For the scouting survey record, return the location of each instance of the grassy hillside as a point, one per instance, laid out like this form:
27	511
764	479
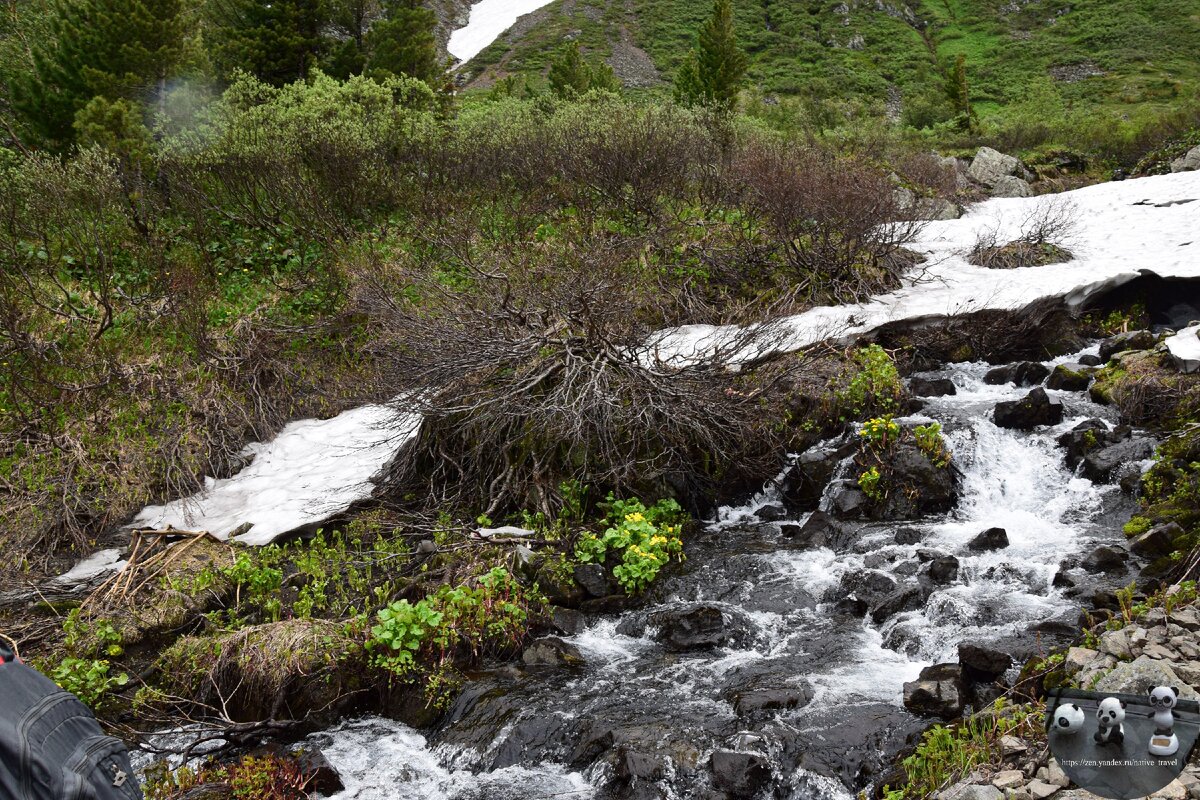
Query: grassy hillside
1028	63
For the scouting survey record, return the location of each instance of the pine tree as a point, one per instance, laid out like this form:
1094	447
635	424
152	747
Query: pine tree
571	76
117	49
716	67
276	40
402	42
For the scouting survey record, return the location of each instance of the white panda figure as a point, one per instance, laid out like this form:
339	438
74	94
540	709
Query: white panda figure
1163	699
1068	719
1110	715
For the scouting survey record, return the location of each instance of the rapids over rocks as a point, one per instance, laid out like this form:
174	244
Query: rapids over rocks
741	672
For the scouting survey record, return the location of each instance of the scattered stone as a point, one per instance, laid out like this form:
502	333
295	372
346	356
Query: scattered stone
869	585
941	571
1101	465
751	702
907	598
1040	790
938	692
1106	558
551	651
1134	676
982	664
1188	162
692	627
937	209
1089	360
991	539
1036	408
1056	775
1156	542
740	774
594	579
1011	186
1129	340
567	621
805	480
990	165
1012	746
1022	373
1086	437
1008	779
819	530
931	387
908	536
1077	658
1069	378
770	512
973	792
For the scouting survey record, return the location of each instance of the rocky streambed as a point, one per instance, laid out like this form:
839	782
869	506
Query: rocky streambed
779	660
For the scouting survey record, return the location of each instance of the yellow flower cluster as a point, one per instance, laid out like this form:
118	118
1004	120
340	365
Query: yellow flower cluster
637	516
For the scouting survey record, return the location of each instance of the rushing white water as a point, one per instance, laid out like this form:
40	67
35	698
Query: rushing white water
854	670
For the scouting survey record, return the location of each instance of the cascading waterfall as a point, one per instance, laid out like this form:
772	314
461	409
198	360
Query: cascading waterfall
526	734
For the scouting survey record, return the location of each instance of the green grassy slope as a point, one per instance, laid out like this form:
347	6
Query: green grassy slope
1127	57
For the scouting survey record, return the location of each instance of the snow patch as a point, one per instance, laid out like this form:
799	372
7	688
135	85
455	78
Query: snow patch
488	19
1184	348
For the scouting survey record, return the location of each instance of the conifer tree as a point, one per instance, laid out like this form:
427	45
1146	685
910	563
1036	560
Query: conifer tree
278	41
402	42
117	49
716	67
571	76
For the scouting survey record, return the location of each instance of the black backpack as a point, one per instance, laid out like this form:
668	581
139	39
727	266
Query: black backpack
52	748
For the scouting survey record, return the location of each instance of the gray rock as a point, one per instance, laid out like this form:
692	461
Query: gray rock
870	585
1156	542
1077	658
937	693
594	579
991	539
1069	378
1187	162
1105	558
937	208
990	165
1101	464
931	387
976	791
740	774
1134	677
982	663
1036	408
1129	340
941	571
1022	373
551	651
1010	186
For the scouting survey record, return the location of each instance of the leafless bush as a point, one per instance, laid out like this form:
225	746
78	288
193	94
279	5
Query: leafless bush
1046	233
532	374
837	223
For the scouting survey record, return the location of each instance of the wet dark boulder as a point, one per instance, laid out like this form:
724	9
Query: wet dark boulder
567	621
931	387
847	500
941	571
851	607
551	651
1069	378
991	539
909	535
939	691
1103	465
756	702
869	585
1157	542
1087	436
982	664
696	626
1034	409
595	580
742	775
911	486
1106	558
770	512
633	765
1023	373
804	481
1129	340
908	597
1089	360
819	530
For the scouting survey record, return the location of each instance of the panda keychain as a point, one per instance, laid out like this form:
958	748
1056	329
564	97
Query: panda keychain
1109	717
1163	741
1068	719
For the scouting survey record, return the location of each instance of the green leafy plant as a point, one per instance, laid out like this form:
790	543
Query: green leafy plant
402	629
880	431
929	440
645	538
870	482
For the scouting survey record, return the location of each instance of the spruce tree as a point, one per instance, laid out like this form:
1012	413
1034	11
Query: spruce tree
276	40
402	42
716	67
116	49
571	76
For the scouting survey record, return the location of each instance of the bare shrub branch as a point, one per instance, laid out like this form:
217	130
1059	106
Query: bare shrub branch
1046	234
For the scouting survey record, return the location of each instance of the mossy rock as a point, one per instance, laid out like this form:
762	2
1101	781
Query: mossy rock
191	584
295	669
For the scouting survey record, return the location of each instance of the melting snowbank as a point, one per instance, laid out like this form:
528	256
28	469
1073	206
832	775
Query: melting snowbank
311	470
1123	229
316	468
489	19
